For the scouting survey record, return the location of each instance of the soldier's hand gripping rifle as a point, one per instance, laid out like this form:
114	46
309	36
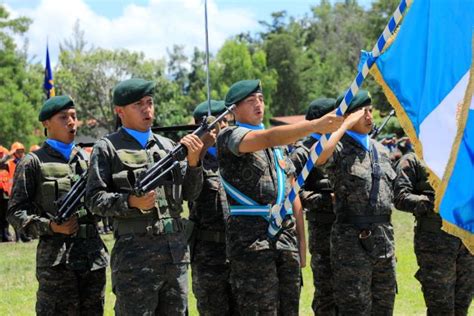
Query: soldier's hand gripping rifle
154	176
69	203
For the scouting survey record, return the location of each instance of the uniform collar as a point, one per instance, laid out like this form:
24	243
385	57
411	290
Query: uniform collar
64	149
141	137
362	139
252	127
129	138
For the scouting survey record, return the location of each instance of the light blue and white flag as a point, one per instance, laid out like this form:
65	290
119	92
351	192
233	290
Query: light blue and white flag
425	74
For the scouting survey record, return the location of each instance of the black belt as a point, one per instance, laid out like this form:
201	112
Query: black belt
211	235
323	218
85	231
361	220
148	227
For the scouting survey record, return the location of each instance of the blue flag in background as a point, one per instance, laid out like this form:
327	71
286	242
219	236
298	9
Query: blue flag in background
425	74
48	83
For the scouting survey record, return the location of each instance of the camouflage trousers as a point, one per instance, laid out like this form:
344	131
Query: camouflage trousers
446	273
319	248
363	284
145	281
211	287
266	282
63	291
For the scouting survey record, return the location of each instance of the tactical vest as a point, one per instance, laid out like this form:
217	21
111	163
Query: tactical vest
133	163
56	178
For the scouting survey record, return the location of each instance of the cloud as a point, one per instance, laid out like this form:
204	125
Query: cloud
151	28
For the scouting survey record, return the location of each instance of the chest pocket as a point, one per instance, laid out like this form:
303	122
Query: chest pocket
359	172
55	183
134	163
253	169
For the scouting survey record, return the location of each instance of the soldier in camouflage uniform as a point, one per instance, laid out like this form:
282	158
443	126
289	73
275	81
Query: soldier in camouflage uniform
316	197
210	269
71	258
362	243
265	273
150	255
446	268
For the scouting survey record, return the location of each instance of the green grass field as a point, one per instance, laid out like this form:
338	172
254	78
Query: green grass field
18	283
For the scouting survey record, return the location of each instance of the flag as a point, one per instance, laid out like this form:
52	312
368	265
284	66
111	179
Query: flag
425	74
48	83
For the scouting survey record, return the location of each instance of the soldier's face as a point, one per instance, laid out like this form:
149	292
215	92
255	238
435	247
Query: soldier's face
251	109
365	123
138	115
20	153
62	126
225	121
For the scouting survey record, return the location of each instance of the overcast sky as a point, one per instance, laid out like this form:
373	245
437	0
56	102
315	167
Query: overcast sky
150	26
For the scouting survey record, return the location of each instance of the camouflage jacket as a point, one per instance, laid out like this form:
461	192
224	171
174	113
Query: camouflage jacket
208	212
350	169
32	203
254	175
117	158
413	192
316	192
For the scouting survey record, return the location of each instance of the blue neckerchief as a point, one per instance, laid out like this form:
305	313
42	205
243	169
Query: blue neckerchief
252	127
212	151
362	139
63	148
316	136
141	137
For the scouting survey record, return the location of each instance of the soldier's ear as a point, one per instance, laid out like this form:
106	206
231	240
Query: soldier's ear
119	111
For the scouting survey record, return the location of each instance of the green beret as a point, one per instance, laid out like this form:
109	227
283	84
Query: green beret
242	89
54	105
320	107
132	90
361	99
217	108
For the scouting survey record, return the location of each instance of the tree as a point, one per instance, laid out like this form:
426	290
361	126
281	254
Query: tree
332	39
282	55
235	62
88	75
20	86
178	67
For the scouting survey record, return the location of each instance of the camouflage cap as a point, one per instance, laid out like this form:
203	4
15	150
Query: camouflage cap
54	105
361	99
242	89
217	107
320	107
132	90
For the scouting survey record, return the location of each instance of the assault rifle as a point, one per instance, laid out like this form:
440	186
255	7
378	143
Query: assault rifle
376	131
69	203
154	176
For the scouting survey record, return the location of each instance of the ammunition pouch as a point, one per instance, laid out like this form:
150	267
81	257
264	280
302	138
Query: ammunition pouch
87	231
211	235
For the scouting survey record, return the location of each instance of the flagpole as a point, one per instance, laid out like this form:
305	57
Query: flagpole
277	216
207	62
